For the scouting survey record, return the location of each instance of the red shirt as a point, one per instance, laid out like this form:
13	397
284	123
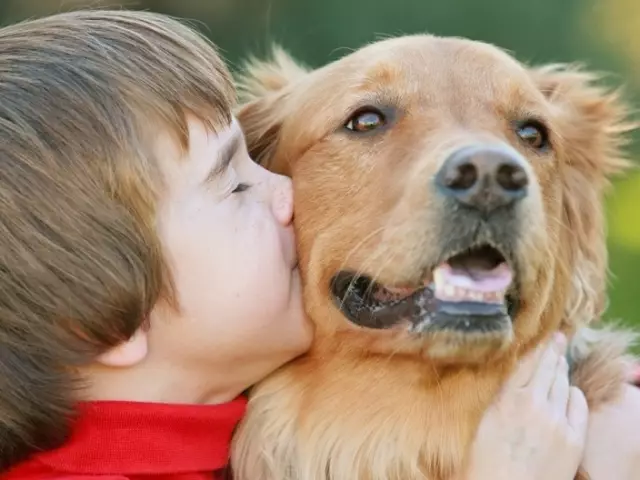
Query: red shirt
140	441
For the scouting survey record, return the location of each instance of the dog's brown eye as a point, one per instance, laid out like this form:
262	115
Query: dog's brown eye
534	134
365	120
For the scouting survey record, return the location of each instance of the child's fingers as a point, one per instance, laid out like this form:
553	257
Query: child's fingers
545	374
578	414
525	369
559	393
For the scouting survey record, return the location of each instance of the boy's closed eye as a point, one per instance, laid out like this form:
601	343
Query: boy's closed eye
241	187
225	156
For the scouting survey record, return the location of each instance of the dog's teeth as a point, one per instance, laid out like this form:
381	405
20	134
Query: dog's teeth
447	287
452	293
438	276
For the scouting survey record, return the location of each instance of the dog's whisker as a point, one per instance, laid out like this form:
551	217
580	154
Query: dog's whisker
360	270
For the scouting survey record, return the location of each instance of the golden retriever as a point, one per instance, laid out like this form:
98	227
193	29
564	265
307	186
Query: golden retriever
448	209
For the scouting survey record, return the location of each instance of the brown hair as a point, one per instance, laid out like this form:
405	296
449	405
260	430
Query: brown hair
81	97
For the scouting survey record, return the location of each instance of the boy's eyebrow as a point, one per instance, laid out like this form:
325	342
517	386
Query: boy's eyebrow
225	156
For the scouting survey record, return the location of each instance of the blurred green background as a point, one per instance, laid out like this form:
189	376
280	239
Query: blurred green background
604	34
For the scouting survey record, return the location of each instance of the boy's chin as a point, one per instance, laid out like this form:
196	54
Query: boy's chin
298	338
287	335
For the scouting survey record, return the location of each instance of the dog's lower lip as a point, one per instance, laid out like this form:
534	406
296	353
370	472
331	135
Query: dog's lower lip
354	296
450	302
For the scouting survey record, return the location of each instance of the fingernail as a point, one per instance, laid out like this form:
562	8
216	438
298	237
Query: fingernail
560	339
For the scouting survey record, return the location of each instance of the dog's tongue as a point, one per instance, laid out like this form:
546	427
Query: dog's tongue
472	284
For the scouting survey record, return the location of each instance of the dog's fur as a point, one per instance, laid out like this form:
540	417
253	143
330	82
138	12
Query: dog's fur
378	404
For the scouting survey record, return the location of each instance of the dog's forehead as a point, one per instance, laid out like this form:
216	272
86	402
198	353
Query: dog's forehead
424	63
437	54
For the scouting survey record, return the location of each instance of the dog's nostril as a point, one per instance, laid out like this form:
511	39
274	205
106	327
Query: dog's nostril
511	177
461	178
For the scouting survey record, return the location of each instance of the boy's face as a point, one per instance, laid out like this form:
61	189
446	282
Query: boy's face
225	225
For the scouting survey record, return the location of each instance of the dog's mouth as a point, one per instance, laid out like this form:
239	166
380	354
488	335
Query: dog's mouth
470	291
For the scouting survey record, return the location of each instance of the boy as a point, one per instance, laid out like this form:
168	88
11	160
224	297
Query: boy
144	256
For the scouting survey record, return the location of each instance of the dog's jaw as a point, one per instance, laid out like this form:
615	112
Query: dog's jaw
412	420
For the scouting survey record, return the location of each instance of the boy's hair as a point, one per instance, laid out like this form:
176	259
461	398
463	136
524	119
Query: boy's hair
83	96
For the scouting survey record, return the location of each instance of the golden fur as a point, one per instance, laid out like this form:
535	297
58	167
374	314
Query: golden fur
383	404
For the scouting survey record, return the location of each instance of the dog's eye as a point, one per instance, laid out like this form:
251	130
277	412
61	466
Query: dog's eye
534	134
365	120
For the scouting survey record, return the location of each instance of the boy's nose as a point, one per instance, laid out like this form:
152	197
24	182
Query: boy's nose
282	201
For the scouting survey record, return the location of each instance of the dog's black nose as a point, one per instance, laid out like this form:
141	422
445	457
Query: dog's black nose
484	178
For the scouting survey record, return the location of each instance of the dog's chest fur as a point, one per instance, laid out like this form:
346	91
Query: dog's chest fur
378	420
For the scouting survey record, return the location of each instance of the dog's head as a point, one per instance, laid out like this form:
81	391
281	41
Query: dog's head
448	199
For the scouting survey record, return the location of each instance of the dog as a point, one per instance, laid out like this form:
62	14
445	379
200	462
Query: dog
449	216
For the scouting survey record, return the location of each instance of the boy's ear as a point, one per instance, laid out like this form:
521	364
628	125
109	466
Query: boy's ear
264	88
592	123
127	354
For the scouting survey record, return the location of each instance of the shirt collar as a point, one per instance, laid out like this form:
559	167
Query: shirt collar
137	438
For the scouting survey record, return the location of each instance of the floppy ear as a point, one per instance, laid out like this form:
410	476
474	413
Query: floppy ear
592	123
264	87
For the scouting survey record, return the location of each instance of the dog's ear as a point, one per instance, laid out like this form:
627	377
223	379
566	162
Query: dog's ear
591	121
263	88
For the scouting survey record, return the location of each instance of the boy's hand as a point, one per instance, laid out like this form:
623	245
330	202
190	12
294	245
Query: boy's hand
537	427
613	441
